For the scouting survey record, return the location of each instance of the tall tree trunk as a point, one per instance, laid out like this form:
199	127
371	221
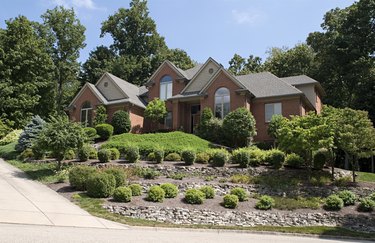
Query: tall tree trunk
354	165
372	164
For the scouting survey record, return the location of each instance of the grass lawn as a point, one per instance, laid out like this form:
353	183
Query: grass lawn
284	203
366	176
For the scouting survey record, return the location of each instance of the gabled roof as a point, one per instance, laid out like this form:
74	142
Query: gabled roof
222	70
170	64
303	80
93	89
190	73
265	84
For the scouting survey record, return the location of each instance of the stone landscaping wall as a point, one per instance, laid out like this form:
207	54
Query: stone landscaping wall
236	218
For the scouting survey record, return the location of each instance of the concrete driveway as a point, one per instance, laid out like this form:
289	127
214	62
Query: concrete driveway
23	201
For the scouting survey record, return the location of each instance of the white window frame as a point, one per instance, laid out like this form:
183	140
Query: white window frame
221	102
166	87
86	110
277	109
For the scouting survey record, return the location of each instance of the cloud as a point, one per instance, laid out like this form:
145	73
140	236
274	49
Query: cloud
83	4
247	17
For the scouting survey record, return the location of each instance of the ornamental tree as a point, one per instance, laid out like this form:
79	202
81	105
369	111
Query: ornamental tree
101	115
30	132
155	110
121	122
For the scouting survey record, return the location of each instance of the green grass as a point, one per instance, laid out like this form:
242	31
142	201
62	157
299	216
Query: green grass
366	177
94	207
170	142
8	151
241	179
43	172
284	203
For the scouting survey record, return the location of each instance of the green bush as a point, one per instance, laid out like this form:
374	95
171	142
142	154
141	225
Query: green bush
30	131
115	154
151	156
230	201
208	191
320	159
202	158
333	203
149	173
220	158
209	127
155	194
121	122
240	193
101	115
104	131
372	196
170	190
100	185
27	154
294	160
242	157
136	189
347	197
84	152
122	194
188	156
104	155
132	154
93	153
4	129
90	133
194	196
275	158
78	176
159	155
265	203
366	205
173	157
240	179
69	155
118	173
11	137
257	156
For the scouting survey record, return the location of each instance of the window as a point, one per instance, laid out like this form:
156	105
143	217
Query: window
86	114
222	99
272	109
168	122
166	87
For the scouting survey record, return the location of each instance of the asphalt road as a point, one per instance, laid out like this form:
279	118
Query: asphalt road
38	233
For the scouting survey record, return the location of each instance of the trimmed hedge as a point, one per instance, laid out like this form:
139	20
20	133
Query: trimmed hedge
208	191
104	155
347	197
294	160
78	176
242	157
333	203
119	175
366	205
104	131
188	156
84	153
202	158
156	194
220	158
132	154
136	189
265	203
170	190
121	122
194	196
90	133
230	201
122	194
100	185
159	155
240	193
173	157
115	154
275	158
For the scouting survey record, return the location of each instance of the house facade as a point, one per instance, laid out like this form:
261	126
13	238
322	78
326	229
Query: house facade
187	92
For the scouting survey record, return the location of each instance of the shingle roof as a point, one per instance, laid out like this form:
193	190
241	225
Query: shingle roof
97	92
299	80
189	73
266	84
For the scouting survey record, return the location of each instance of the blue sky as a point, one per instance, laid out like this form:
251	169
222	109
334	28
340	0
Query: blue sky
203	28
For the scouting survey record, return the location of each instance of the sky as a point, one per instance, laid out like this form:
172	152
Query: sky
203	28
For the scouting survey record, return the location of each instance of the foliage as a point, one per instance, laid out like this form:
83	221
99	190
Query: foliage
240	179
100	185
320	158
202	157
239	127
132	154
104	131
194	196
179	58
104	155
149	173
177	176
69	155
101	116
155	110
119	175
173	157
78	176
240	193
30	132
4	129
342	181
170	190
90	133
121	122
28	154
372	196
155	194
84	152
122	194
366	177
230	201
241	66
188	156
347	197
242	157
294	160
208	191
265	203
366	205
220	158
11	137
333	203
275	158
115	154
136	189
286	203
159	155
277	122
257	156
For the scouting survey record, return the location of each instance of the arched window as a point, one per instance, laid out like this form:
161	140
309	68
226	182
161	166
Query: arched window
222	102
86	113
166	87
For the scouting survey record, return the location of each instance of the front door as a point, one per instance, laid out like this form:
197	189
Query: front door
195	111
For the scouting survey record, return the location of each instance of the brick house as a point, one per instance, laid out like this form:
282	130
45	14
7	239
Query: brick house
188	92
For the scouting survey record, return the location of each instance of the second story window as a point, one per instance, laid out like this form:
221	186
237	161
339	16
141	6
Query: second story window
222	105
166	87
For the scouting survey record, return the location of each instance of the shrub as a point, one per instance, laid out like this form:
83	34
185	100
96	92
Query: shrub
132	154
151	156
194	196
13	136
115	154
208	191
149	173
100	185
240	178
366	205
372	196
78	176
119	174
155	194
136	189
320	158
275	158
90	133
334	203
347	197
93	153
104	155
155	110
203	130
188	156
257	156
4	129
265	203
177	176
343	181
277	122
104	131
27	154
230	201
294	160
220	158
239	127
84	153
173	157
69	155
122	194
30	131
101	115
240	193
121	122
159	155
202	157
170	190
242	157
